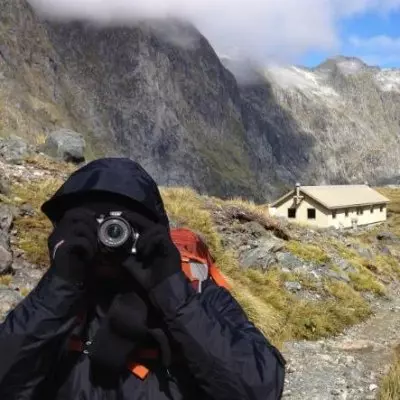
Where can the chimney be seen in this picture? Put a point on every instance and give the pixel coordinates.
(298, 189)
(297, 197)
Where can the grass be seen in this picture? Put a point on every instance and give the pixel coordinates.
(390, 384)
(280, 314)
(307, 252)
(5, 280)
(368, 273)
(43, 162)
(365, 281)
(34, 230)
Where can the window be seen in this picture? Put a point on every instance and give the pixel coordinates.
(311, 214)
(372, 210)
(292, 213)
(346, 213)
(334, 214)
(381, 208)
(360, 211)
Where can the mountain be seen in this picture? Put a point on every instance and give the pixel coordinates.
(179, 111)
(351, 111)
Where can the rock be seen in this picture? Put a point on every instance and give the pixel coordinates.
(386, 251)
(372, 387)
(387, 237)
(6, 218)
(357, 345)
(5, 260)
(8, 300)
(254, 228)
(288, 260)
(261, 253)
(290, 369)
(14, 149)
(26, 210)
(346, 266)
(363, 252)
(293, 286)
(4, 187)
(338, 275)
(25, 276)
(66, 145)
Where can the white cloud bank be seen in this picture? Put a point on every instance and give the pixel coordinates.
(261, 30)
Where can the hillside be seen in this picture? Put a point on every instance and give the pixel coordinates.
(295, 283)
(181, 113)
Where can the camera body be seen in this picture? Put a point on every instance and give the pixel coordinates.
(115, 233)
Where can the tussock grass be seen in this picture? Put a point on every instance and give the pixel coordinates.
(390, 384)
(365, 281)
(46, 163)
(368, 273)
(307, 252)
(5, 280)
(34, 230)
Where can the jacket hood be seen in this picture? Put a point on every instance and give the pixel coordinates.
(120, 176)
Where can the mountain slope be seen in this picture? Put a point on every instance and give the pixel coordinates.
(181, 113)
(352, 113)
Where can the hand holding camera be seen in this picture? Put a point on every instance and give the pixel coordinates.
(144, 248)
(156, 257)
(73, 245)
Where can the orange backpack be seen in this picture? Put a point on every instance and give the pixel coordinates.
(197, 264)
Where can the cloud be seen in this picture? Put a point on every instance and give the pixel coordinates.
(260, 30)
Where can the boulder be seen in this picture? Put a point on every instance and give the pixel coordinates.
(5, 260)
(14, 149)
(387, 237)
(289, 261)
(293, 286)
(4, 187)
(363, 251)
(65, 145)
(261, 253)
(6, 219)
(8, 300)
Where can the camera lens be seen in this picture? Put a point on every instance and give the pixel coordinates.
(114, 232)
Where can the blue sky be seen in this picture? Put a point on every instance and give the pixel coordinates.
(371, 36)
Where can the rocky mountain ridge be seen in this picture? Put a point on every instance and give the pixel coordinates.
(182, 114)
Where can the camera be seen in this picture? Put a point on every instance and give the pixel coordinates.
(115, 233)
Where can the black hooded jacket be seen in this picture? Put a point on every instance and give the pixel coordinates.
(222, 356)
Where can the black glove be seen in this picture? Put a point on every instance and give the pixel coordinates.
(73, 245)
(157, 257)
(125, 329)
(121, 332)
